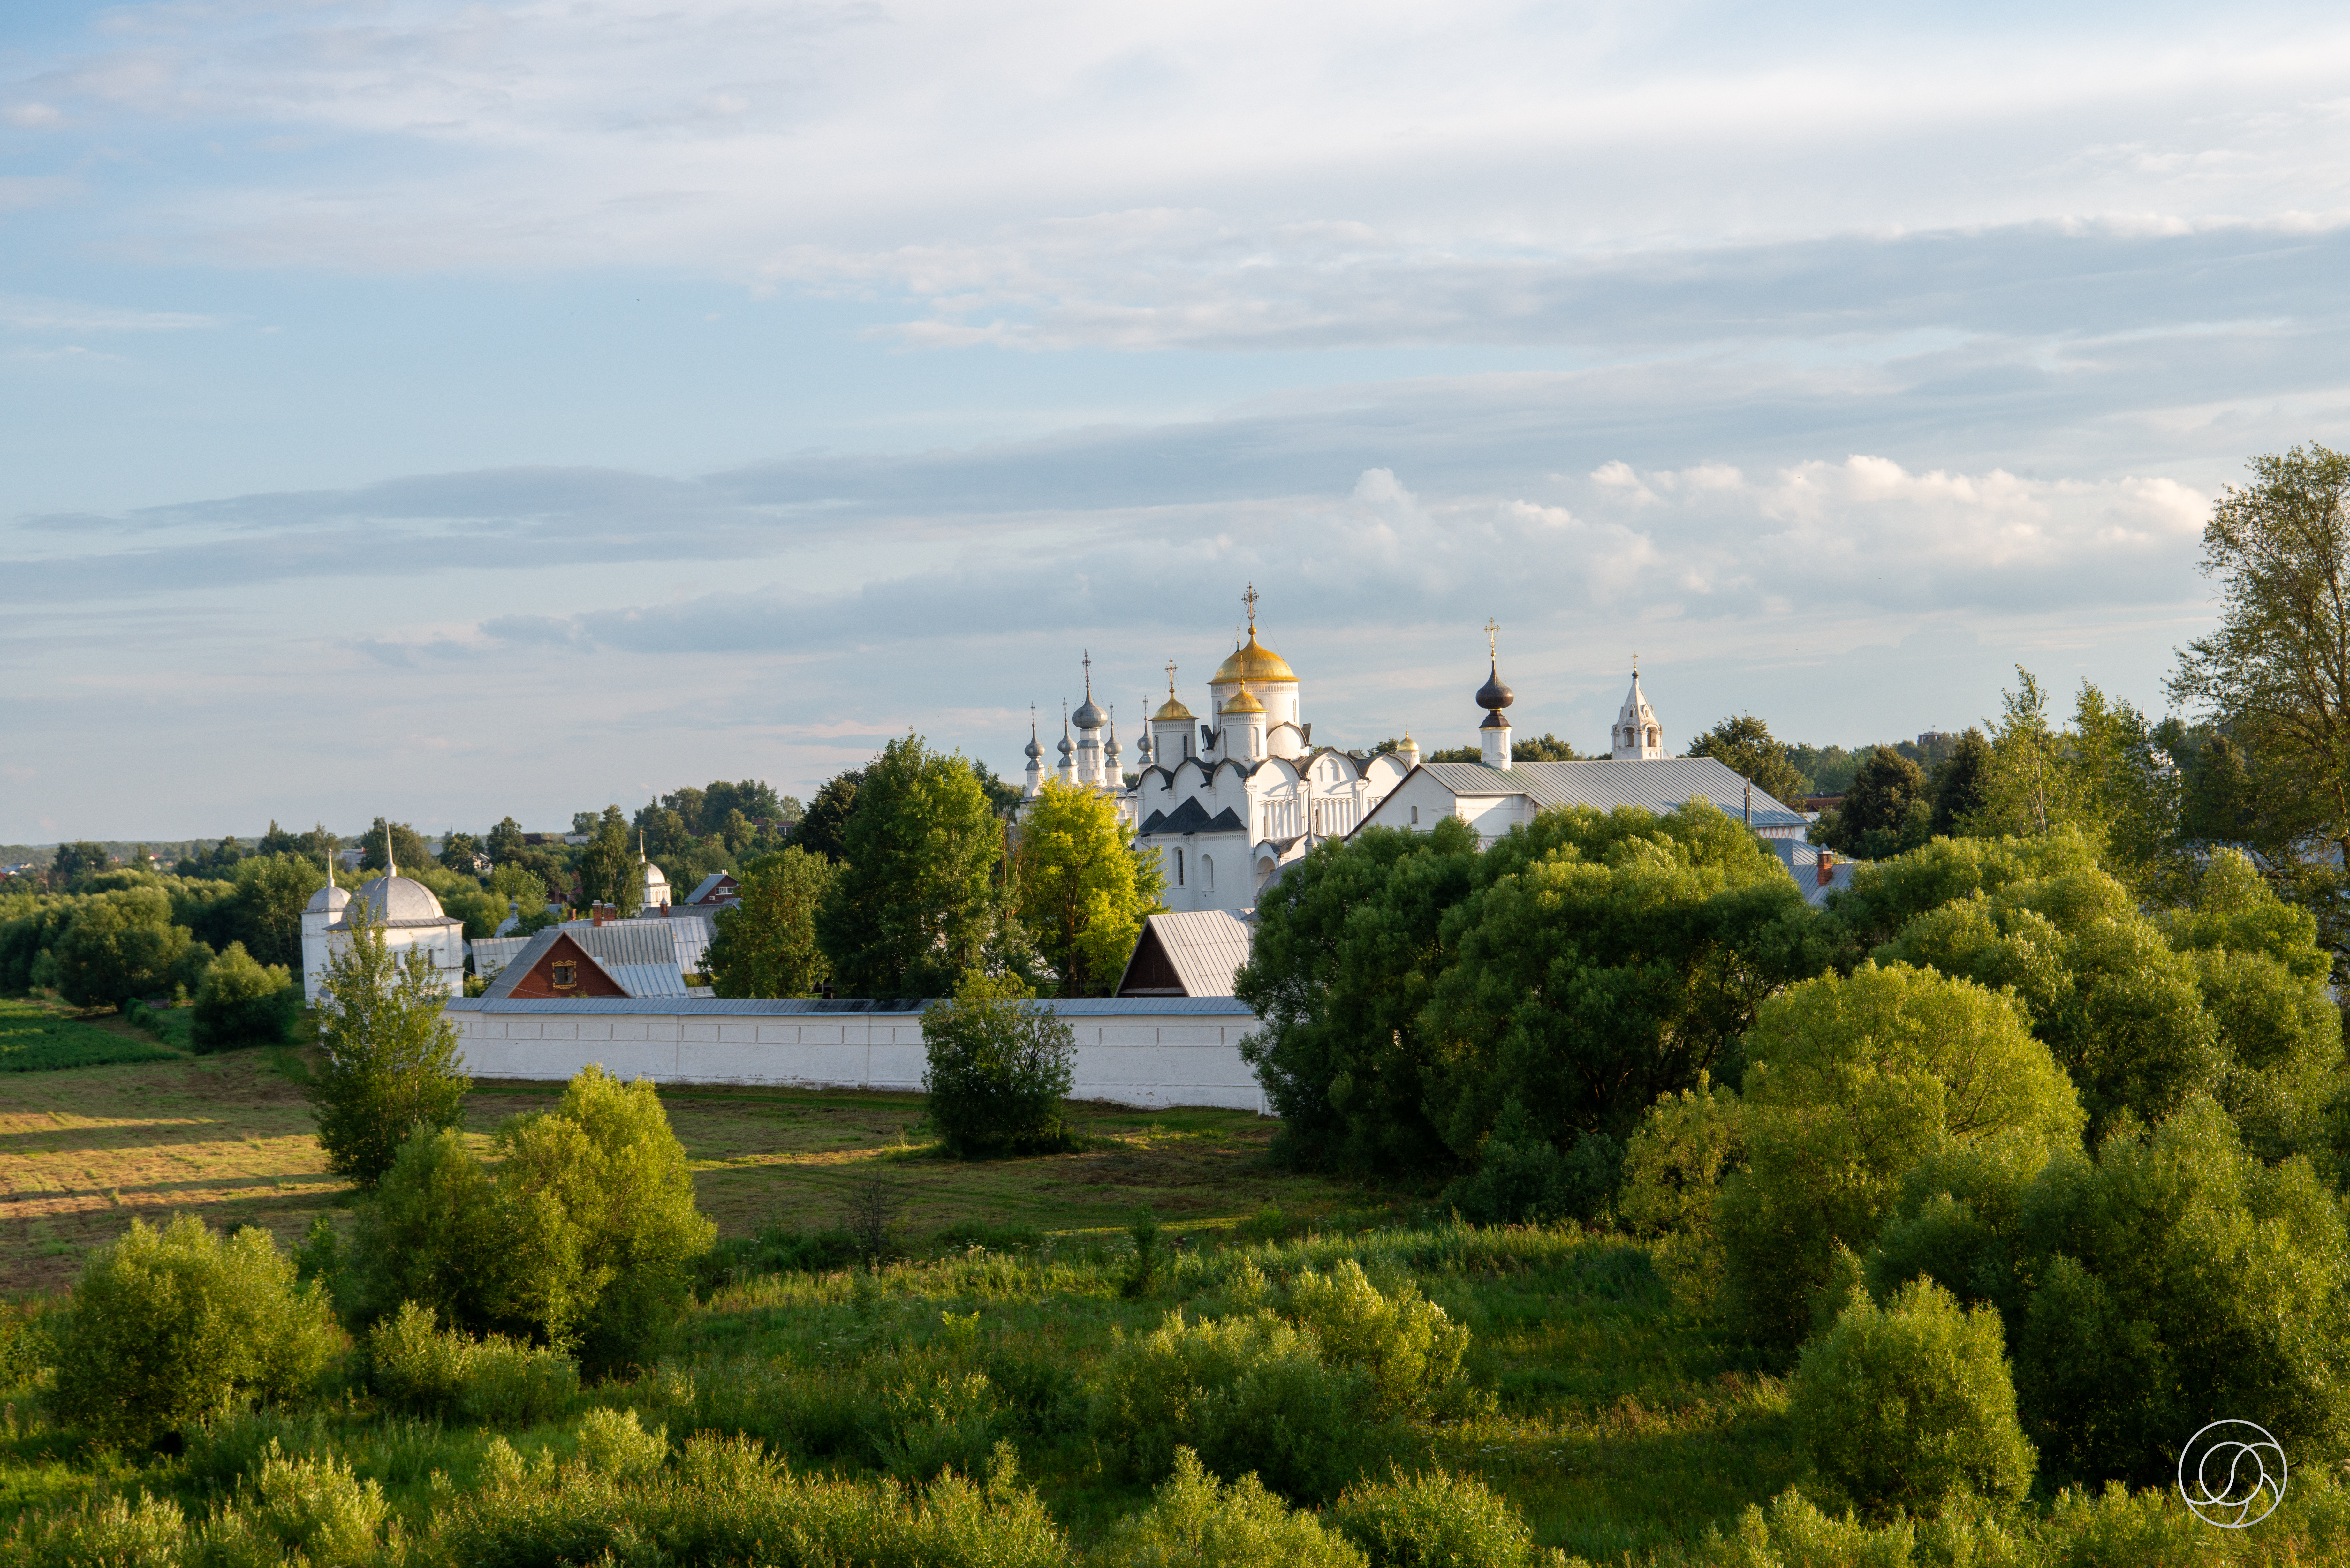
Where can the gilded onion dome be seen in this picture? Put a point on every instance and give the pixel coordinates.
(1243, 703)
(1252, 661)
(1171, 710)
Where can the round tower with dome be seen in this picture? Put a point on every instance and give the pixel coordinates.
(410, 918)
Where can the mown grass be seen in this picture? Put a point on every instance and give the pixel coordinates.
(41, 1038)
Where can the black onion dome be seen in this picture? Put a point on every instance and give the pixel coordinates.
(1493, 694)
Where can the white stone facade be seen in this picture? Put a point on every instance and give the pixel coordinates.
(1150, 1052)
(410, 918)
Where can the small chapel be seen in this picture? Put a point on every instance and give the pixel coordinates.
(1228, 800)
(409, 914)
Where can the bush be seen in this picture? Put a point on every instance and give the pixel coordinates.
(103, 1532)
(2180, 1281)
(1674, 1164)
(494, 1381)
(1904, 1408)
(1246, 1392)
(999, 1068)
(586, 1237)
(239, 1003)
(1521, 1177)
(1411, 1350)
(297, 1513)
(1852, 1082)
(164, 1327)
(1434, 1519)
(1192, 1523)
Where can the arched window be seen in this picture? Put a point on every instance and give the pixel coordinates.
(1652, 736)
(1207, 874)
(1179, 868)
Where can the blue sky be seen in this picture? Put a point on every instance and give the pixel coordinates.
(450, 410)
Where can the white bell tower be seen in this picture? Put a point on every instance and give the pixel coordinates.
(1639, 737)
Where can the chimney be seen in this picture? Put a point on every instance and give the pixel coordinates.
(1828, 867)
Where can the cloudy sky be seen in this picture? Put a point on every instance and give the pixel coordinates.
(450, 409)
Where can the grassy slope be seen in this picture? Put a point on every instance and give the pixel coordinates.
(37, 1037)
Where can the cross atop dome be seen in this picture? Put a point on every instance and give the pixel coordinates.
(1249, 598)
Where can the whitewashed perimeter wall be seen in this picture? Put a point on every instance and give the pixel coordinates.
(1188, 1059)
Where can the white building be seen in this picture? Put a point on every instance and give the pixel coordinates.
(408, 912)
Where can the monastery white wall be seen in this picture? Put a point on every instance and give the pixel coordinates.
(1129, 1059)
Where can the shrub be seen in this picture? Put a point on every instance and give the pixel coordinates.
(1674, 1164)
(999, 1068)
(494, 1381)
(1192, 1523)
(297, 1513)
(585, 1236)
(1433, 1520)
(103, 1532)
(1521, 1177)
(1410, 1349)
(166, 1326)
(391, 1060)
(1852, 1082)
(1905, 1406)
(2180, 1281)
(1246, 1392)
(239, 1003)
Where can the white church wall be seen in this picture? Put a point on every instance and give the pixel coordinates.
(1134, 1054)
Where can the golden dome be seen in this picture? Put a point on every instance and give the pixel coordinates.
(1254, 662)
(1170, 710)
(1243, 703)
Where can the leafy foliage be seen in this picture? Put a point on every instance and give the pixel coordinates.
(1194, 1522)
(165, 1327)
(240, 1003)
(391, 1060)
(914, 908)
(1437, 1519)
(1082, 889)
(1908, 1407)
(1744, 744)
(766, 945)
(999, 1065)
(439, 1372)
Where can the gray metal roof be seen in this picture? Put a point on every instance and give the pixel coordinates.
(1206, 947)
(794, 1007)
(707, 885)
(626, 941)
(491, 954)
(1665, 783)
(1803, 863)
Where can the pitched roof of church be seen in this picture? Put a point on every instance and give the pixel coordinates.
(1205, 948)
(1663, 785)
(1192, 817)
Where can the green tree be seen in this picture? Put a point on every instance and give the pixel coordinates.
(272, 892)
(1082, 891)
(506, 843)
(998, 1067)
(2180, 1281)
(1744, 744)
(1850, 1083)
(122, 945)
(824, 828)
(1885, 812)
(765, 944)
(391, 1061)
(1960, 783)
(461, 852)
(74, 862)
(1910, 1407)
(608, 866)
(2276, 677)
(396, 840)
(1542, 748)
(167, 1328)
(913, 910)
(242, 1002)
(1603, 958)
(1347, 950)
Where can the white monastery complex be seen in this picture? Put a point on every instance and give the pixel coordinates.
(1229, 800)
(406, 909)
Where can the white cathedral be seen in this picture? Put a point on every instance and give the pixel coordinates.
(407, 910)
(1229, 801)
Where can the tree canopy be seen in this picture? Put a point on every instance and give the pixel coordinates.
(1081, 888)
(914, 907)
(1744, 744)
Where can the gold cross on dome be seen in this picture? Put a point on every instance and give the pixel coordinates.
(1493, 632)
(1170, 679)
(1249, 598)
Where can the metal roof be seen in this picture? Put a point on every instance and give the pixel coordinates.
(795, 1007)
(707, 885)
(643, 966)
(1205, 948)
(491, 954)
(661, 979)
(625, 941)
(1663, 784)
(1803, 863)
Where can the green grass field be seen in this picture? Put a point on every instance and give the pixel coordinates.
(40, 1038)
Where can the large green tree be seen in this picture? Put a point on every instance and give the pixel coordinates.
(1744, 744)
(824, 827)
(1958, 782)
(608, 865)
(1083, 889)
(1884, 810)
(398, 839)
(506, 842)
(391, 1061)
(764, 944)
(1347, 949)
(914, 907)
(272, 891)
